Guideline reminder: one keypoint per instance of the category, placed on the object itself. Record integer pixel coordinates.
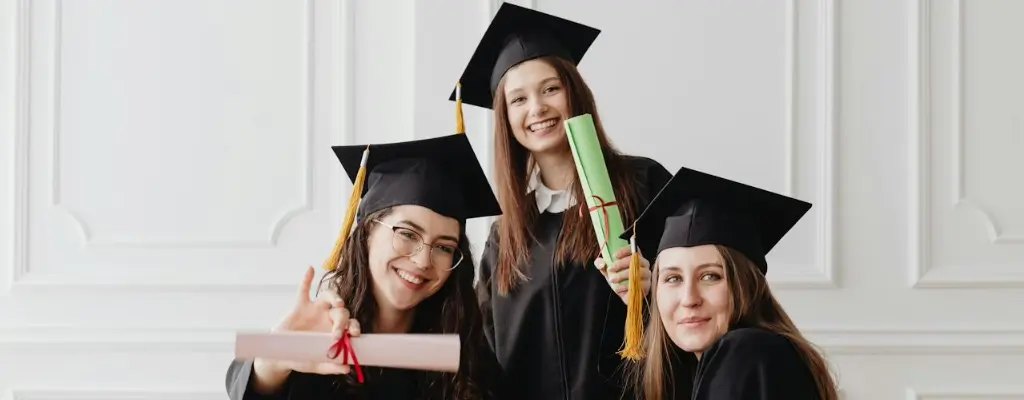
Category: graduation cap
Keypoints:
(519, 34)
(442, 174)
(695, 208)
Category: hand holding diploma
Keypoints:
(618, 273)
(319, 337)
(604, 208)
(592, 171)
(327, 313)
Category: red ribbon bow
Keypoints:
(603, 206)
(344, 347)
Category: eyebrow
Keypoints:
(677, 268)
(542, 82)
(416, 227)
(549, 79)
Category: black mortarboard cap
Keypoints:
(695, 208)
(519, 34)
(442, 174)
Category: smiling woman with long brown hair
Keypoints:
(715, 331)
(406, 268)
(556, 322)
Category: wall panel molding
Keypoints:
(22, 114)
(900, 341)
(56, 339)
(996, 236)
(23, 278)
(982, 393)
(822, 274)
(277, 223)
(83, 226)
(923, 273)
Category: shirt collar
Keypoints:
(554, 201)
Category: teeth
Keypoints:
(542, 125)
(410, 278)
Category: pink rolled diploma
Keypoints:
(431, 352)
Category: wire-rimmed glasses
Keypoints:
(407, 242)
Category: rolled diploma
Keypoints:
(432, 352)
(593, 175)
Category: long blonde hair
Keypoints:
(667, 372)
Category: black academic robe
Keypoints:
(556, 335)
(753, 364)
(379, 383)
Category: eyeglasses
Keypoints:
(408, 242)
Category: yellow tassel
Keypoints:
(353, 204)
(633, 349)
(460, 124)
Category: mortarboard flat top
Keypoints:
(442, 174)
(519, 34)
(695, 208)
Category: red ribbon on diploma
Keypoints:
(603, 206)
(344, 347)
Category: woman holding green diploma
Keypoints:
(556, 325)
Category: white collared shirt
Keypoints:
(552, 201)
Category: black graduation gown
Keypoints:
(753, 364)
(379, 383)
(556, 335)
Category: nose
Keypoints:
(537, 107)
(690, 296)
(422, 257)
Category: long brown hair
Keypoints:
(667, 372)
(512, 167)
(453, 309)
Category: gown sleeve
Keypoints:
(754, 364)
(239, 383)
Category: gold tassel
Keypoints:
(634, 308)
(460, 124)
(353, 204)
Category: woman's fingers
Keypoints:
(353, 327)
(621, 288)
(323, 368)
(307, 280)
(623, 264)
(331, 368)
(327, 298)
(600, 264)
(619, 265)
(624, 252)
(619, 277)
(324, 304)
(620, 281)
(341, 321)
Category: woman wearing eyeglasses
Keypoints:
(405, 268)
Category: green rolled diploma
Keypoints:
(597, 185)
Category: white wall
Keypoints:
(165, 174)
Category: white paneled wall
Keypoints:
(165, 172)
